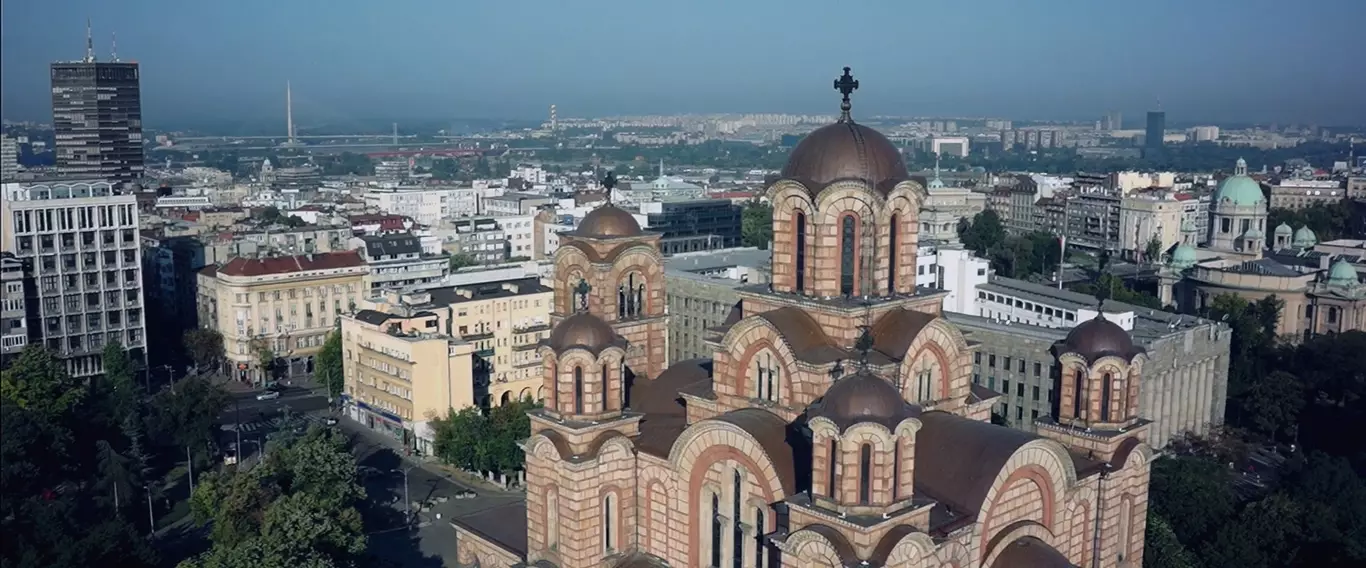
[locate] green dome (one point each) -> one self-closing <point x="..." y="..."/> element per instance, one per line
<point x="1284" y="230"/>
<point x="1305" y="238"/>
<point x="1183" y="257"/>
<point x="1342" y="273"/>
<point x="1252" y="234"/>
<point x="1239" y="190"/>
<point x="1188" y="226"/>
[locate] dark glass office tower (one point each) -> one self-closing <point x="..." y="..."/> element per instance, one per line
<point x="1157" y="127"/>
<point x="97" y="119"/>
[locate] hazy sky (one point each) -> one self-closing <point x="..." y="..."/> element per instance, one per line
<point x="1206" y="60"/>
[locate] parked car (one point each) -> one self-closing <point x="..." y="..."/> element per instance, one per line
<point x="330" y="421"/>
<point x="268" y="395"/>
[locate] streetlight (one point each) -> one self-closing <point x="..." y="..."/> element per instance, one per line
<point x="151" y="520"/>
<point x="407" y="502"/>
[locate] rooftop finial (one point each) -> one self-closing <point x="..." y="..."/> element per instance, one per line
<point x="864" y="345"/>
<point x="608" y="182"/>
<point x="89" y="43"/>
<point x="846" y="84"/>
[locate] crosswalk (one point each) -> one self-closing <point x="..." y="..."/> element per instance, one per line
<point x="272" y="424"/>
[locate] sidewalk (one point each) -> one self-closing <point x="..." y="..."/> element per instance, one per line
<point x="429" y="464"/>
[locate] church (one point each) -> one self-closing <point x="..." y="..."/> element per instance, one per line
<point x="836" y="423"/>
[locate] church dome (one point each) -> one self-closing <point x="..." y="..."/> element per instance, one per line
<point x="1284" y="230"/>
<point x="1239" y="190"/>
<point x="1100" y="337"/>
<point x="582" y="330"/>
<point x="1183" y="257"/>
<point x="1342" y="273"/>
<point x="863" y="397"/>
<point x="608" y="221"/>
<point x="846" y="151"/>
<point x="1305" y="238"/>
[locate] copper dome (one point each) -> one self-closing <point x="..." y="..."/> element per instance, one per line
<point x="863" y="397"/>
<point x="582" y="330"/>
<point x="608" y="221"/>
<point x="1100" y="337"/>
<point x="846" y="151"/>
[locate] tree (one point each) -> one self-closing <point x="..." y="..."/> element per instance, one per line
<point x="329" y="365"/>
<point x="119" y="387"/>
<point x="38" y="381"/>
<point x="473" y="441"/>
<point x="1273" y="403"/>
<point x="985" y="232"/>
<point x="1161" y="547"/>
<point x="1152" y="252"/>
<point x="461" y="260"/>
<point x="457" y="437"/>
<point x="1193" y="493"/>
<point x="186" y="417"/>
<point x="205" y="347"/>
<point x="756" y="224"/>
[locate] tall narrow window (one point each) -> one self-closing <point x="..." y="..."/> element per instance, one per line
<point x="607" y="518"/>
<point x="555" y="387"/>
<point x="552" y="518"/>
<point x="1106" y="384"/>
<point x="865" y="472"/>
<point x="737" y="531"/>
<point x="605" y="390"/>
<point x="772" y="379"/>
<point x="759" y="530"/>
<point x="1126" y="523"/>
<point x="896" y="471"/>
<point x="578" y="390"/>
<point x="834" y="464"/>
<point x="800" y="253"/>
<point x="847" y="235"/>
<point x="640" y="298"/>
<point x="891" y="254"/>
<point x="715" y="530"/>
<point x="759" y="381"/>
<point x="621" y="301"/>
<point x="1079" y="391"/>
<point x="924" y="385"/>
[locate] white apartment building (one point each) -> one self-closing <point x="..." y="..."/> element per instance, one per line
<point x="1144" y="216"/>
<point x="1020" y="302"/>
<point x="13" y="308"/>
<point x="951" y="268"/>
<point x="521" y="235"/>
<point x="531" y="174"/>
<point x="81" y="239"/>
<point x="426" y="206"/>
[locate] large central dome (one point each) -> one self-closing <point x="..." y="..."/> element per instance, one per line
<point x="846" y="151"/>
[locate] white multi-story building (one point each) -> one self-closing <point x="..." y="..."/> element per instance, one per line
<point x="530" y="174"/>
<point x="951" y="268"/>
<point x="9" y="157"/>
<point x="81" y="240"/>
<point x="13" y="307"/>
<point x="426" y="206"/>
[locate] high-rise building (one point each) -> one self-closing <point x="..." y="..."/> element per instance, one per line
<point x="13" y="307"/>
<point x="81" y="240"/>
<point x="9" y="158"/>
<point x="1157" y="127"/>
<point x="1114" y="121"/>
<point x="97" y="117"/>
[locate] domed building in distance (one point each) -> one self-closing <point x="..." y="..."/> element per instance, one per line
<point x="836" y="423"/>
<point x="1241" y="258"/>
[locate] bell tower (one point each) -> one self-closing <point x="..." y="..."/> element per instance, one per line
<point x="1098" y="390"/>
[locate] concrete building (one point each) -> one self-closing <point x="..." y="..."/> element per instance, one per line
<point x="81" y="242"/>
<point x="1147" y="216"/>
<point x="944" y="207"/>
<point x="9" y="158"/>
<point x="427" y="207"/>
<point x="97" y="119"/>
<point x="1154" y="135"/>
<point x="481" y="238"/>
<point x="1128" y="182"/>
<point x="693" y="225"/>
<point x="950" y="146"/>
<point x="14" y="312"/>
<point x="952" y="269"/>
<point x="401" y="370"/>
<point x="286" y="305"/>
<point x="397" y="261"/>
<point x="1302" y="193"/>
<point x="1356" y="187"/>
<point x="170" y="267"/>
<point x="703" y="289"/>
<point x="513" y="203"/>
<point x="1093" y="219"/>
<point x="1204" y="133"/>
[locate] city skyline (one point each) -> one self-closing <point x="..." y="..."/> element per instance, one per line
<point x="510" y="60"/>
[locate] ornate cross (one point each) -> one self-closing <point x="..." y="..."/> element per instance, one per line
<point x="864" y="345"/>
<point x="846" y="84"/>
<point x="609" y="181"/>
<point x="581" y="294"/>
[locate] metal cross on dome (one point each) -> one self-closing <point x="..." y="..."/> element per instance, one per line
<point x="581" y="294"/>
<point x="846" y="85"/>
<point x="863" y="345"/>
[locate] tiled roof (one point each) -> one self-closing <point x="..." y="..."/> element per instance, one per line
<point x="241" y="266"/>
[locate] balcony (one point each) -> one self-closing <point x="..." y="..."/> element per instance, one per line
<point x="525" y="347"/>
<point x="476" y="336"/>
<point x="533" y="328"/>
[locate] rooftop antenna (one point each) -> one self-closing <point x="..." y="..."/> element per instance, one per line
<point x="289" y="113"/>
<point x="114" y="46"/>
<point x="89" y="44"/>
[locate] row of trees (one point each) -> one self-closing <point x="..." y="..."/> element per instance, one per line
<point x="477" y="441"/>
<point x="298" y="507"/>
<point x="756" y="224"/>
<point x="82" y="460"/>
<point x="1328" y="222"/>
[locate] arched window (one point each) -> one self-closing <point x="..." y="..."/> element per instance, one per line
<point x="891" y="253"/>
<point x="621" y="301"/>
<point x="800" y="253"/>
<point x="896" y="470"/>
<point x="766" y="377"/>
<point x="605" y="390"/>
<point x="555" y="386"/>
<point x="834" y="465"/>
<point x="759" y="530"/>
<point x="640" y="299"/>
<point x="608" y="517"/>
<point x="552" y="518"/>
<point x="1126" y="524"/>
<point x="737" y="531"/>
<point x="1079" y="391"/>
<point x="865" y="473"/>
<point x="924" y="385"/>
<point x="578" y="390"/>
<point x="847" y="236"/>
<point x="715" y="530"/>
<point x="1106" y="384"/>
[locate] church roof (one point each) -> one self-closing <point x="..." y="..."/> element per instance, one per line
<point x="1030" y="552"/>
<point x="895" y="330"/>
<point x="608" y="221"/>
<point x="957" y="458"/>
<point x="803" y="335"/>
<point x="843" y="151"/>
<point x="1100" y="337"/>
<point x="863" y="397"/>
<point x="773" y="436"/>
<point x="503" y="525"/>
<point x="582" y="330"/>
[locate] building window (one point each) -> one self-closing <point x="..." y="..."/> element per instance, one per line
<point x="1106" y="384"/>
<point x="605" y="390"/>
<point x="607" y="519"/>
<point x="800" y="221"/>
<point x="715" y="530"/>
<point x="896" y="470"/>
<point x="552" y="518"/>
<point x="924" y="389"/>
<point x="1079" y="392"/>
<point x="865" y="472"/>
<point x="891" y="253"/>
<point x="578" y="390"/>
<point x="834" y="463"/>
<point x="737" y="531"/>
<point x="759" y="529"/>
<point x="848" y="234"/>
<point x="991" y="361"/>
<point x="766" y="377"/>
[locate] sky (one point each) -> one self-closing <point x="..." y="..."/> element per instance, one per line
<point x="1201" y="60"/>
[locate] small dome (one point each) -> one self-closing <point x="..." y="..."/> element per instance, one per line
<point x="1183" y="257"/>
<point x="1240" y="191"/>
<point x="608" y="221"/>
<point x="863" y="397"/>
<point x="582" y="330"/>
<point x="1342" y="273"/>
<point x="1100" y="337"/>
<point x="1305" y="238"/>
<point x="1188" y="226"/>
<point x="846" y="151"/>
<point x="1284" y="230"/>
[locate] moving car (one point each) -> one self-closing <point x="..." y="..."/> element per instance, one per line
<point x="268" y="395"/>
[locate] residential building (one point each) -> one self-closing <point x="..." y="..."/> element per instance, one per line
<point x="397" y="261"/>
<point x="513" y="203"/>
<point x="481" y="238"/>
<point x="1093" y="219"/>
<point x="952" y="269"/>
<point x="401" y="370"/>
<point x="703" y="290"/>
<point x="1019" y="216"/>
<point x="426" y="206"/>
<point x="303" y="180"/>
<point x="1302" y="193"/>
<point x="286" y="305"/>
<point x="9" y="158"/>
<point x="1147" y="216"/>
<point x="1356" y="187"/>
<point x="693" y="225"/>
<point x="170" y="267"/>
<point x="950" y="146"/>
<point x="377" y="224"/>
<point x="97" y="119"/>
<point x="80" y="240"/>
<point x="14" y="312"/>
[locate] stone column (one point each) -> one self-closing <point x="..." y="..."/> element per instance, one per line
<point x="1164" y="426"/>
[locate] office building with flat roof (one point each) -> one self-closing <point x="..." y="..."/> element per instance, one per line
<point x="97" y="118"/>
